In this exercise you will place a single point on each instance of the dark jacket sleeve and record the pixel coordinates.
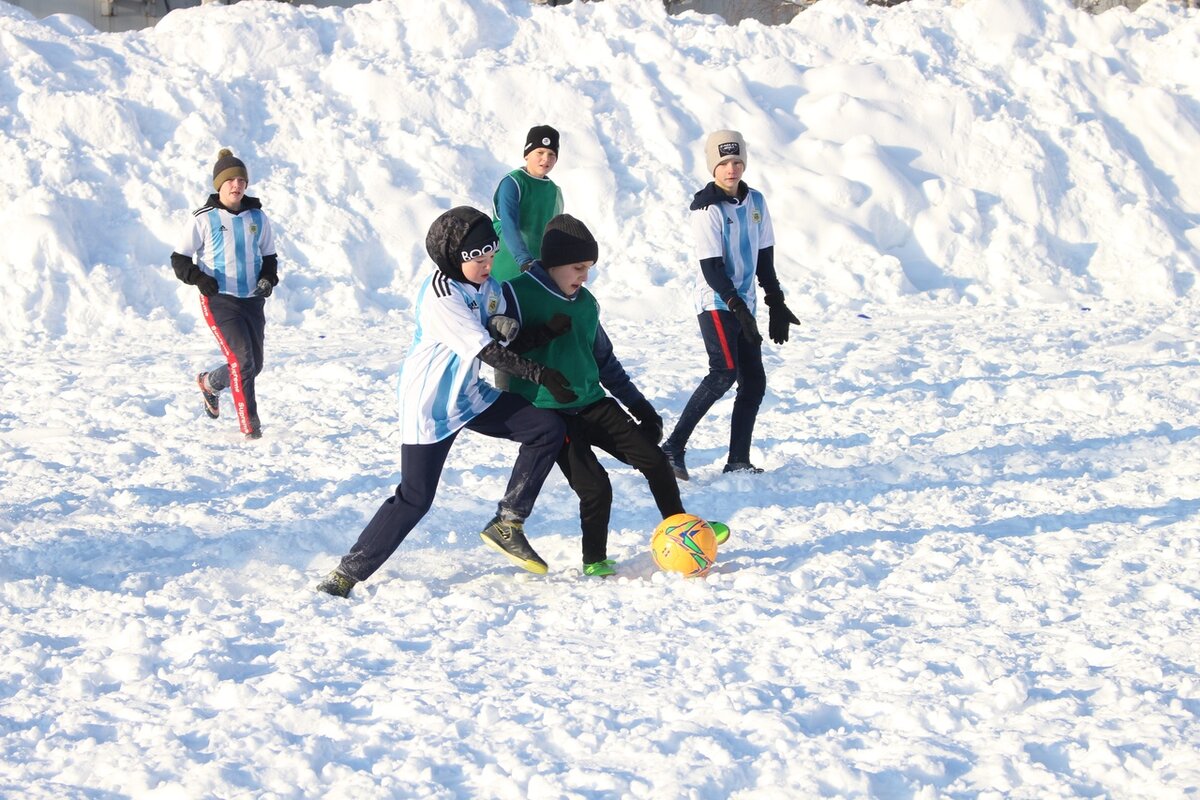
(185, 269)
(613, 376)
(500, 357)
(715, 276)
(765, 271)
(270, 269)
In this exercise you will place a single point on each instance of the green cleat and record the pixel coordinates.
(721, 530)
(509, 538)
(600, 569)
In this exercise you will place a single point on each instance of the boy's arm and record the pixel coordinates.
(616, 380)
(270, 262)
(507, 205)
(185, 267)
(499, 357)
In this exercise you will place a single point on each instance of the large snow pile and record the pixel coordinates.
(970, 569)
(1002, 152)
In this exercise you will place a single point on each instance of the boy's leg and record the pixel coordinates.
(227, 319)
(617, 433)
(589, 480)
(420, 470)
(752, 386)
(256, 322)
(721, 334)
(540, 434)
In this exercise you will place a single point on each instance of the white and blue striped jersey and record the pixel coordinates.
(229, 247)
(734, 232)
(439, 388)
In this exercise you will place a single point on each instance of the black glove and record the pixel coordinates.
(503, 328)
(207, 285)
(537, 335)
(263, 288)
(649, 422)
(781, 318)
(749, 326)
(556, 382)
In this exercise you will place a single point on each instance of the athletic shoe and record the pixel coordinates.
(336, 584)
(212, 400)
(742, 466)
(675, 457)
(256, 429)
(721, 530)
(600, 569)
(509, 538)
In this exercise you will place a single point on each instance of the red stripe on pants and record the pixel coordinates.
(235, 369)
(723, 338)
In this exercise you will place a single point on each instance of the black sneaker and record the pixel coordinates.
(336, 584)
(509, 538)
(742, 466)
(256, 429)
(675, 457)
(212, 400)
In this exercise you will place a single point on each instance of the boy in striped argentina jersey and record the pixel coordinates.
(235, 269)
(441, 392)
(735, 244)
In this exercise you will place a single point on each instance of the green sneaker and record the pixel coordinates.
(600, 569)
(509, 538)
(721, 530)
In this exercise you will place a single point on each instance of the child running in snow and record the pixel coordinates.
(735, 244)
(550, 295)
(235, 269)
(441, 393)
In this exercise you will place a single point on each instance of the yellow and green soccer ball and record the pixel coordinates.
(684, 543)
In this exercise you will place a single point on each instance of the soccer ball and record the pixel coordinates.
(685, 544)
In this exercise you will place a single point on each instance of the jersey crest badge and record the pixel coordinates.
(493, 304)
(757, 217)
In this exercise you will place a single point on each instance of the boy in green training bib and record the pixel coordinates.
(524, 202)
(550, 295)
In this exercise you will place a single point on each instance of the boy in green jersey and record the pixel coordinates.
(524, 202)
(548, 295)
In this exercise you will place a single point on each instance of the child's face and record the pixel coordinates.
(569, 277)
(477, 269)
(232, 191)
(539, 162)
(729, 174)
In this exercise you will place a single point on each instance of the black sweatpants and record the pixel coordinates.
(730, 359)
(605, 424)
(242, 324)
(540, 434)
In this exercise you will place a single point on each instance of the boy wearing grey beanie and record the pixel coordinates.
(735, 245)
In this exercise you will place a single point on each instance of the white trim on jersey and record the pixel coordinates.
(439, 389)
(229, 247)
(734, 232)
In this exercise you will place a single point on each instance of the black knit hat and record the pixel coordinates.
(458, 235)
(228, 166)
(541, 136)
(567, 241)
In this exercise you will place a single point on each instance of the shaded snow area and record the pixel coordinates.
(970, 570)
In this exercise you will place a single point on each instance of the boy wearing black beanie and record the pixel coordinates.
(524, 201)
(551, 294)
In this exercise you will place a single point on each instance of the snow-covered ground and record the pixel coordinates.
(972, 568)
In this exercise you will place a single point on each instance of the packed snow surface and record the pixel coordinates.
(970, 570)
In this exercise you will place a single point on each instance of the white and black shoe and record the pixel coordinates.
(212, 400)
